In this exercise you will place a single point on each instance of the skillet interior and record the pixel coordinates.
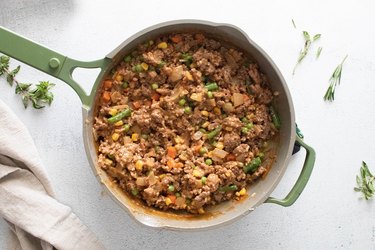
(228, 211)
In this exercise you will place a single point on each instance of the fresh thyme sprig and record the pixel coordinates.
(38, 96)
(294, 24)
(365, 182)
(305, 50)
(318, 52)
(334, 81)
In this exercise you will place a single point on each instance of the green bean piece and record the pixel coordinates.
(275, 117)
(134, 191)
(253, 165)
(144, 136)
(208, 161)
(212, 86)
(171, 188)
(125, 113)
(214, 132)
(229, 188)
(203, 130)
(127, 58)
(209, 94)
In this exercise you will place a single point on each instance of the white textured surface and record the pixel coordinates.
(328, 214)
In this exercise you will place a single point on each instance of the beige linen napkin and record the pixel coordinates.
(36, 219)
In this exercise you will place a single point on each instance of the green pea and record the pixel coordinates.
(203, 180)
(245, 130)
(126, 127)
(250, 125)
(125, 85)
(244, 119)
(127, 58)
(203, 150)
(137, 68)
(210, 95)
(171, 188)
(154, 86)
(208, 161)
(182, 102)
(134, 191)
(187, 110)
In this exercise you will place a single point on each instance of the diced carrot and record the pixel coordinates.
(155, 96)
(107, 84)
(137, 104)
(245, 98)
(179, 165)
(176, 38)
(172, 197)
(171, 163)
(106, 97)
(230, 157)
(197, 148)
(199, 37)
(171, 152)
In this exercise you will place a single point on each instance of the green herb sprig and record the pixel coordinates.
(334, 81)
(307, 45)
(38, 96)
(365, 182)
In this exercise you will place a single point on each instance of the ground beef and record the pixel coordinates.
(167, 139)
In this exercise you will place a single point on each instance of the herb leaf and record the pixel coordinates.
(305, 50)
(294, 24)
(38, 96)
(318, 52)
(365, 182)
(334, 81)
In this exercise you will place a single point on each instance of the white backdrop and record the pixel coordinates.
(328, 214)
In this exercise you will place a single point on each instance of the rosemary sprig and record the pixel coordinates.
(38, 96)
(305, 50)
(294, 24)
(334, 81)
(318, 52)
(365, 182)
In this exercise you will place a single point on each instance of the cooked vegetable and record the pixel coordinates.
(275, 117)
(182, 102)
(219, 153)
(203, 150)
(229, 188)
(365, 182)
(208, 161)
(212, 86)
(187, 110)
(126, 127)
(154, 86)
(203, 180)
(238, 99)
(162, 45)
(123, 114)
(209, 94)
(171, 188)
(138, 68)
(214, 132)
(253, 165)
(134, 191)
(172, 152)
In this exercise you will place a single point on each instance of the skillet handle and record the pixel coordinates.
(302, 179)
(48, 61)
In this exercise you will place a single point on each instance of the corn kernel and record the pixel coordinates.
(204, 113)
(197, 173)
(161, 176)
(242, 191)
(168, 201)
(108, 161)
(227, 174)
(201, 210)
(139, 165)
(179, 140)
(205, 125)
(119, 123)
(220, 145)
(217, 111)
(112, 112)
(135, 137)
(119, 78)
(162, 45)
(144, 66)
(115, 136)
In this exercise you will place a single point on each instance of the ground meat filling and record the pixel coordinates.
(183, 122)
